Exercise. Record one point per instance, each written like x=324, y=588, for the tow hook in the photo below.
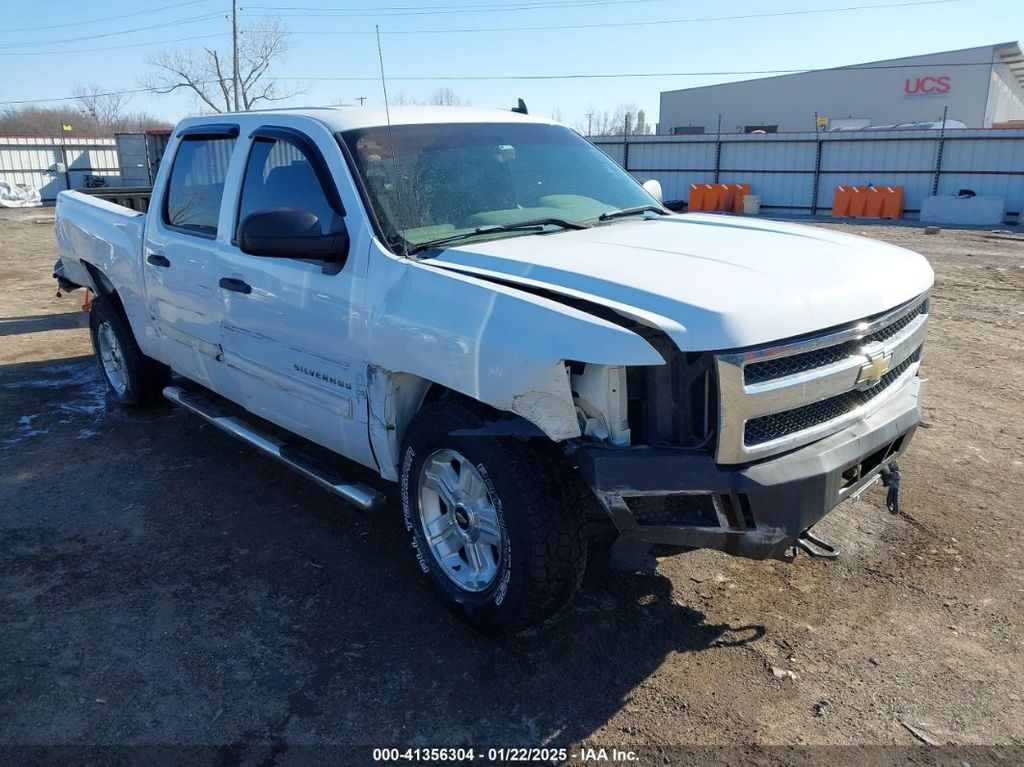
x=815, y=546
x=891, y=479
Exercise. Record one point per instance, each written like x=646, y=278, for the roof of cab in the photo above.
x=353, y=117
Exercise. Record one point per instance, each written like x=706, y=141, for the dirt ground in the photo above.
x=161, y=583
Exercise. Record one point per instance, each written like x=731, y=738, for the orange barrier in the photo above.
x=717, y=197
x=868, y=202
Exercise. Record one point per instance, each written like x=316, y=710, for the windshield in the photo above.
x=427, y=182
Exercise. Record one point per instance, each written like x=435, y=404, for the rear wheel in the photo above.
x=132, y=378
x=492, y=523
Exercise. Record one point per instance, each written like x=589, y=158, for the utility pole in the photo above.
x=360, y=99
x=590, y=123
x=234, y=57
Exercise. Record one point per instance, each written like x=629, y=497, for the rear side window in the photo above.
x=280, y=175
x=196, y=185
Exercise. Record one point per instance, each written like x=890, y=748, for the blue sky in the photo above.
x=47, y=63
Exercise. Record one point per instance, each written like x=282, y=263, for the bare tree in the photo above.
x=104, y=108
x=596, y=122
x=34, y=120
x=209, y=74
x=446, y=97
x=404, y=99
x=625, y=118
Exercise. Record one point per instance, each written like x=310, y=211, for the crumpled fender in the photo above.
x=493, y=343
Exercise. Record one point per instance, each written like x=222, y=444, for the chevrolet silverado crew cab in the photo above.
x=482, y=307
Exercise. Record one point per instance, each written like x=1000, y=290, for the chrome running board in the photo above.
x=358, y=495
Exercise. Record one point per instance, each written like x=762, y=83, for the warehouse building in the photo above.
x=976, y=87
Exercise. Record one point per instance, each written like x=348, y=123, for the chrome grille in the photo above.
x=765, y=371
x=776, y=425
x=789, y=394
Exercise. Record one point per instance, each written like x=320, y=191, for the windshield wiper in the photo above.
x=608, y=215
x=537, y=224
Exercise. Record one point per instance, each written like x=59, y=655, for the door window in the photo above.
x=281, y=176
x=196, y=186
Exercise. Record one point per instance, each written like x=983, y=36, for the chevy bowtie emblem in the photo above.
x=872, y=371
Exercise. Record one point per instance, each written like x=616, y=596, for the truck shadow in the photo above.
x=557, y=684
x=387, y=652
x=228, y=586
x=13, y=326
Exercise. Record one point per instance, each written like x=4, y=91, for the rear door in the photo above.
x=181, y=251
x=293, y=329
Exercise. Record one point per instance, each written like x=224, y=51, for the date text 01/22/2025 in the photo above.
x=503, y=754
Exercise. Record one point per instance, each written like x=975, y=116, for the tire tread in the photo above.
x=146, y=376
x=556, y=546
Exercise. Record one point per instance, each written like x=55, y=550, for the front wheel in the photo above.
x=493, y=522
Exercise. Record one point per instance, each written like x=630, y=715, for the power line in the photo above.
x=63, y=51
x=651, y=23
x=75, y=98
x=573, y=76
x=48, y=27
x=441, y=9
x=625, y=75
x=172, y=23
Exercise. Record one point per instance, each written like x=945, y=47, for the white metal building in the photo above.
x=979, y=87
x=52, y=165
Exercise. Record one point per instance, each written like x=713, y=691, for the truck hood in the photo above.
x=708, y=281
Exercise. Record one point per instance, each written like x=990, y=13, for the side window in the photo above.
x=279, y=175
x=196, y=185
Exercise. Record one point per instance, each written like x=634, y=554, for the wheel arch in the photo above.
x=395, y=397
x=103, y=285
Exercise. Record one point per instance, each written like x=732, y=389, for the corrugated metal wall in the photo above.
x=797, y=173
x=33, y=161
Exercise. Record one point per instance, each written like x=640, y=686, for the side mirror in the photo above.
x=653, y=188
x=287, y=233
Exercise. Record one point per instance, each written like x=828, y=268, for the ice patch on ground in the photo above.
x=82, y=393
x=26, y=427
x=77, y=374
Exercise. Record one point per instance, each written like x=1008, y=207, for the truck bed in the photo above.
x=134, y=197
x=105, y=235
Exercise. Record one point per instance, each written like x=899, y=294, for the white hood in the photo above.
x=709, y=281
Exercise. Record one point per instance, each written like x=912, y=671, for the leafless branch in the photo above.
x=222, y=80
x=447, y=97
x=210, y=75
x=101, y=106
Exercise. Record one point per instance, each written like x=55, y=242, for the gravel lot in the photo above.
x=162, y=583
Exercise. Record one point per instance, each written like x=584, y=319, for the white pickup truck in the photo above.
x=482, y=307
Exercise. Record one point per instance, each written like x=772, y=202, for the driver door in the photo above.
x=293, y=329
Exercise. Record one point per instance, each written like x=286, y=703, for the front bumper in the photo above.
x=756, y=511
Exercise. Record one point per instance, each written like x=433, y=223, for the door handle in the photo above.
x=234, y=285
x=158, y=260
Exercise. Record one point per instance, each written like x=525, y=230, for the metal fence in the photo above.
x=797, y=173
x=792, y=173
x=52, y=165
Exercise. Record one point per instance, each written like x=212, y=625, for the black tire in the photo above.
x=543, y=554
x=143, y=378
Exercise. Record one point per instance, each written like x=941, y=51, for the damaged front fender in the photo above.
x=493, y=343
